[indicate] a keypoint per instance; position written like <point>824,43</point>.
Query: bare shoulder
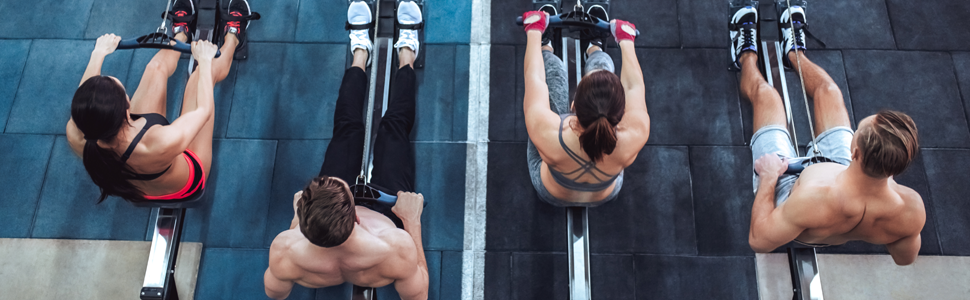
<point>280,256</point>
<point>811,205</point>
<point>914,211</point>
<point>402,259</point>
<point>75,138</point>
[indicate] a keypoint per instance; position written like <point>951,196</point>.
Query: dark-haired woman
<point>577,152</point>
<point>123,151</point>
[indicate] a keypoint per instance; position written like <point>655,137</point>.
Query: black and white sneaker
<point>792,25</point>
<point>182,15</point>
<point>599,12</point>
<point>744,33</point>
<point>239,12</point>
<point>408,13</point>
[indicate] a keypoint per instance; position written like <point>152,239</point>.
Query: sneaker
<point>359,13</point>
<point>547,36</point>
<point>238,8</point>
<point>744,33</point>
<point>181,11</point>
<point>599,12</point>
<point>408,13</point>
<point>792,25</point>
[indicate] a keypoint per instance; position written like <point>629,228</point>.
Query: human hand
<point>535,20</point>
<point>409,206</point>
<point>770,166</point>
<point>106,44</point>
<point>627,31</point>
<point>204,51</point>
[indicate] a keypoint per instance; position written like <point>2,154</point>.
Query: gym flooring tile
<point>42,107</point>
<point>544,276</point>
<point>441,179</point>
<point>319,20</point>
<point>696,277</point>
<point>67,209</point>
<point>279,18</point>
<point>961,63</point>
<point>516,219</point>
<point>928,25</point>
<point>504,30</point>
<point>653,212</point>
<point>22,169</point>
<point>657,21</point>
<point>691,91</point>
<point>239,199</point>
<point>702,24</point>
<point>127,19</point>
<point>297,162</point>
<point>947,184</point>
<point>722,196</point>
<point>46,19</point>
<point>506,120</point>
<point>14,55</point>
<point>442,96</point>
<point>860,24</point>
<point>236,273</point>
<point>288,93</point>
<point>922,84</point>
<point>448,22</point>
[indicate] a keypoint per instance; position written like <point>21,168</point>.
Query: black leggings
<point>393,160</point>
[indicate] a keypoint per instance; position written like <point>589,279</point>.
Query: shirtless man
<point>853,197</point>
<point>333,238</point>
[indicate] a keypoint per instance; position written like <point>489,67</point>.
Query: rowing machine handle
<point>556,21</point>
<point>133,43</point>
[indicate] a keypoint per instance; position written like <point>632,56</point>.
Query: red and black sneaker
<point>182,14</point>
<point>239,13</point>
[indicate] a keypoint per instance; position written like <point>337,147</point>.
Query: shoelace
<point>359,35</point>
<point>408,35</point>
<point>747,35</point>
<point>235,24</point>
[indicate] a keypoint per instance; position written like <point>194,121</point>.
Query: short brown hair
<point>326,212</point>
<point>889,145</point>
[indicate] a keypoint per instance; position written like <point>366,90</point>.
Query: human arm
<point>540,120</point>
<point>276,285</point>
<point>183,130</point>
<point>770,227</point>
<point>105,45</point>
<point>413,282</point>
<point>905,250</point>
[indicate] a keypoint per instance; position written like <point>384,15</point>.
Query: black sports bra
<point>150,120</point>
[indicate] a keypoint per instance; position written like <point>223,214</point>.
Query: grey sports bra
<point>585,167</point>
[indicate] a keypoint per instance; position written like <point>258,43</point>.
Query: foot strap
<point>349,26</point>
<point>176,19</point>
<point>226,17</point>
<point>409,26</point>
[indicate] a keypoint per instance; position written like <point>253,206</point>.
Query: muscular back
<point>835,210</point>
<point>371,257</point>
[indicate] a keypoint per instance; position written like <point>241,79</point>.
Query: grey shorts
<point>557,79</point>
<point>834,144</point>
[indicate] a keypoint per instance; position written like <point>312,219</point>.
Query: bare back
<point>847,212</point>
<point>371,257</point>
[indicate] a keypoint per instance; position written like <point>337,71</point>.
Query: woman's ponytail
<point>599,106</point>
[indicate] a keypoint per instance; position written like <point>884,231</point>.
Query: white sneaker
<point>408,13</point>
<point>744,33</point>
<point>359,13</point>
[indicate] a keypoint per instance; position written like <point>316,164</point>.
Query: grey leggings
<point>557,79</point>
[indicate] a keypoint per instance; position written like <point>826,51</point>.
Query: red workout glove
<point>539,24</point>
<point>627,31</point>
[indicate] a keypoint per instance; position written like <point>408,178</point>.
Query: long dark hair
<point>99,110</point>
<point>599,105</point>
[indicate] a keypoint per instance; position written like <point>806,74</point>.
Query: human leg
<point>830,111</point>
<point>557,80</point>
<point>346,150</point>
<point>394,167</point>
<point>202,144</point>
